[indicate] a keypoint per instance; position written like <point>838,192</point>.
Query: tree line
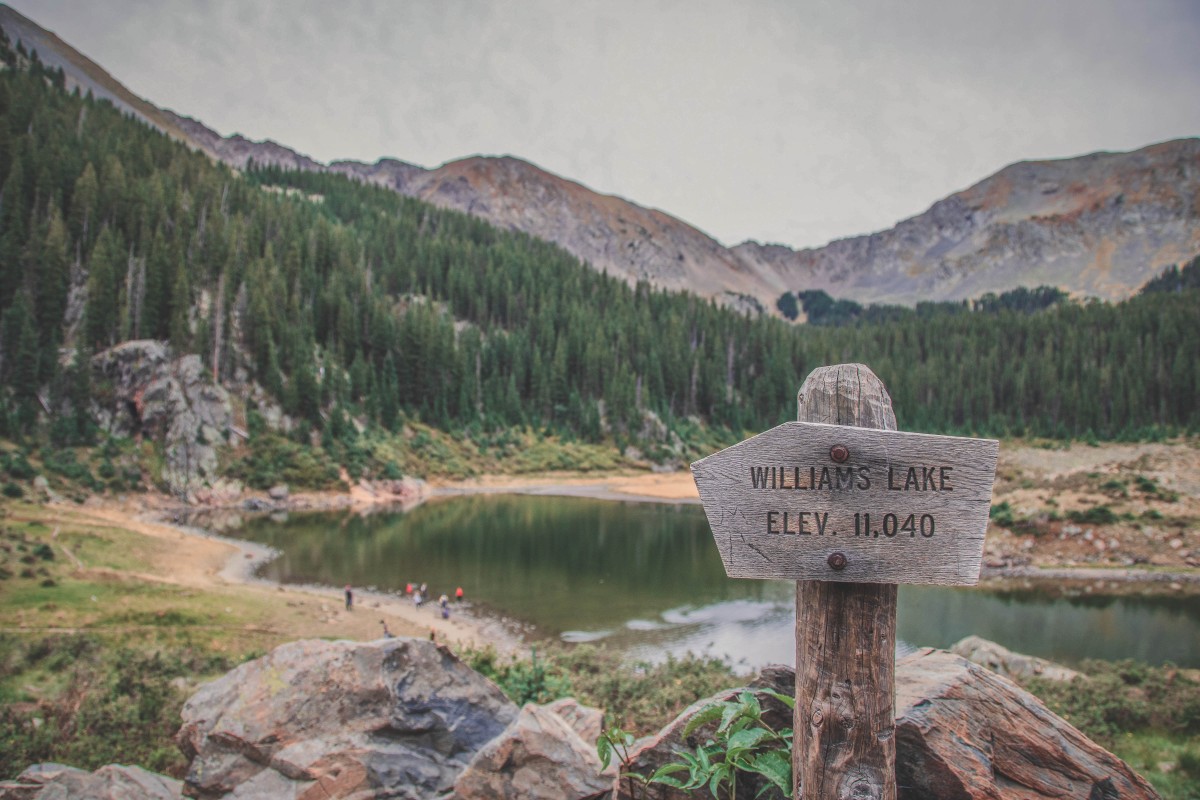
<point>348,300</point>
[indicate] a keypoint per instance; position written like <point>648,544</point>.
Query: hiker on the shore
<point>458,594</point>
<point>386,633</point>
<point>349,598</point>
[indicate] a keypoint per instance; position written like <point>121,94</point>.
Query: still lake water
<point>646,578</point>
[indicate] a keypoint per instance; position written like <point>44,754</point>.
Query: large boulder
<point>111,782</point>
<point>142,389</point>
<point>962,733</point>
<point>542,755</point>
<point>1018,666</point>
<point>397,718</point>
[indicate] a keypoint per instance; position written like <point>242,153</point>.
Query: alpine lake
<point>646,578</point>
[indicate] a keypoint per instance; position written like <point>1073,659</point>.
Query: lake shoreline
<point>675,488</point>
<point>211,562</point>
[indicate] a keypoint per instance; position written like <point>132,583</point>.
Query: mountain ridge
<point>1099,224</point>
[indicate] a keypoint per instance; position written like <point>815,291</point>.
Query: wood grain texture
<point>845,731</point>
<point>748,523</point>
<point>846,394</point>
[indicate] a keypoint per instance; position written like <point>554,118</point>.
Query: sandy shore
<point>665,487</point>
<point>205,561</point>
<point>191,557</point>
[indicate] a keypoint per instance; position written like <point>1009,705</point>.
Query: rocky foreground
<point>405,718</point>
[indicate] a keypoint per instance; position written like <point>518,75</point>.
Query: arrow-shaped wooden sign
<point>808,501</point>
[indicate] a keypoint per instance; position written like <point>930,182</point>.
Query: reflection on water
<point>646,578</point>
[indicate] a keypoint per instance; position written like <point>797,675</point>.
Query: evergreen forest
<point>346,301</point>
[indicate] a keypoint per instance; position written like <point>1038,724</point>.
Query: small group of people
<point>420,594</point>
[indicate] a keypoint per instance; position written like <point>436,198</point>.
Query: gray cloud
<point>776,120</point>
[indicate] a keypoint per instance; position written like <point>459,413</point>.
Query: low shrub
<point>1096,515</point>
<point>639,697</point>
<point>118,705</point>
<point>1125,696</point>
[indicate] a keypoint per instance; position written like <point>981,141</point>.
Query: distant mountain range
<point>1096,225</point>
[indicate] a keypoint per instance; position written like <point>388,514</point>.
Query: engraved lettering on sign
<point>899,478</point>
<point>901,507</point>
<point>887,525</point>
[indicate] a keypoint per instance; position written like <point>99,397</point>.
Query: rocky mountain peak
<point>1095,225</point>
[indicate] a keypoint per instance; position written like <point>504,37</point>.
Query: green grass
<point>1170,763</point>
<point>638,697</point>
<point>1147,716</point>
<point>87,703</point>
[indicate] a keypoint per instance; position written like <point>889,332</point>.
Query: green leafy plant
<point>616,741</point>
<point>743,743</point>
<point>1097,515</point>
<point>531,681</point>
<point>1002,515</point>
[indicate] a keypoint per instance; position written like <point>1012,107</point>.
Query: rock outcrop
<point>547,753</point>
<point>144,390</point>
<point>1003,661</point>
<point>404,492</point>
<point>964,732</point>
<point>404,718</point>
<point>396,718</point>
<point>111,782</point>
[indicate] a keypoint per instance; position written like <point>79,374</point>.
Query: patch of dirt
<point>1116,505</point>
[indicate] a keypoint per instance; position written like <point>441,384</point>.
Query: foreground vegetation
<point>1147,716</point>
<point>97,702</point>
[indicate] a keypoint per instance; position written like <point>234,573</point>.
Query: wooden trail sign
<point>883,506</point>
<point>848,507</point>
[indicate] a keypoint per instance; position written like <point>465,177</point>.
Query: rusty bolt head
<point>837,561</point>
<point>839,453</point>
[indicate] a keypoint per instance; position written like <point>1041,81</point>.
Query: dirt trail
<point>199,560</point>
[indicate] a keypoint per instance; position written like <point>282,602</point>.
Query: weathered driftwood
<point>845,732</point>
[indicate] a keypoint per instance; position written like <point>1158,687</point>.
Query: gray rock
<point>278,492</point>
<point>540,756</point>
<point>394,718</point>
<point>584,720</point>
<point>111,782</point>
<point>172,401</point>
<point>1018,666</point>
<point>42,488</point>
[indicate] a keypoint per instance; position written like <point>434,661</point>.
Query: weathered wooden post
<point>848,507</point>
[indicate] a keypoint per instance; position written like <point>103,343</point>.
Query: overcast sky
<point>776,120</point>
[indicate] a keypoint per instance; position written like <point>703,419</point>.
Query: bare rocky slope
<point>1096,225</point>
